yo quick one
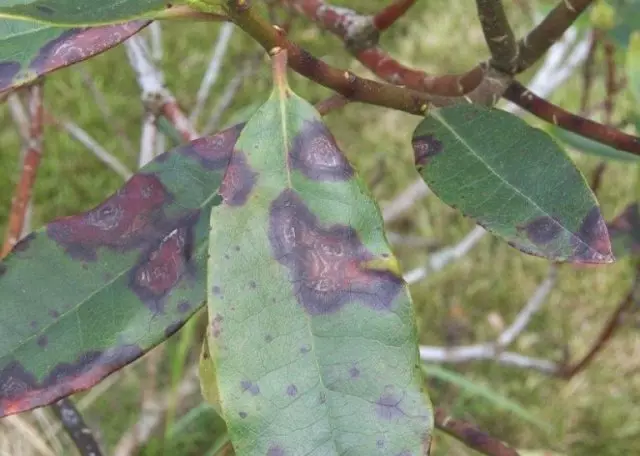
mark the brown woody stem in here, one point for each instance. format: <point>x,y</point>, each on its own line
<point>30,164</point>
<point>545,110</point>
<point>542,37</point>
<point>498,35</point>
<point>343,82</point>
<point>390,14</point>
<point>73,422</point>
<point>471,436</point>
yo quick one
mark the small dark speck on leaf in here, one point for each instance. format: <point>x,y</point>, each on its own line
<point>275,450</point>
<point>45,9</point>
<point>387,407</point>
<point>54,314</point>
<point>292,390</point>
<point>246,385</point>
<point>216,290</point>
<point>237,247</point>
<point>305,349</point>
<point>184,307</point>
<point>226,257</point>
<point>323,397</point>
<point>424,148</point>
<point>380,443</point>
<point>33,324</point>
<point>42,341</point>
<point>268,338</point>
<point>242,414</point>
<point>354,372</point>
<point>252,284</point>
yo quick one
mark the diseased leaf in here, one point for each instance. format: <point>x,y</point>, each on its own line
<point>625,231</point>
<point>514,180</point>
<point>90,293</point>
<point>311,326</point>
<point>81,12</point>
<point>589,146</point>
<point>29,50</point>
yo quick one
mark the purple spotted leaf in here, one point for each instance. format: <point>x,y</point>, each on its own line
<point>514,180</point>
<point>81,12</point>
<point>29,50</point>
<point>311,327</point>
<point>90,293</point>
<point>625,231</point>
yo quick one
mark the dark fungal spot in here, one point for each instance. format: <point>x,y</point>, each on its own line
<point>292,390</point>
<point>275,450</point>
<point>129,218</point>
<point>184,306</point>
<point>322,398</point>
<point>252,284</point>
<point>237,248</point>
<point>388,405</point>
<point>242,415</point>
<point>542,230</point>
<point>54,313</point>
<point>20,390</point>
<point>326,264</point>
<point>78,44</point>
<point>268,338</point>
<point>216,290</point>
<point>42,341</point>
<point>379,443</point>
<point>305,349</point>
<point>33,324</point>
<point>315,154</point>
<point>8,71</point>
<point>354,372</point>
<point>425,147</point>
<point>216,325</point>
<point>173,328</point>
<point>238,181</point>
<point>162,268</point>
<point>44,9</point>
<point>214,152</point>
<point>591,243</point>
<point>252,388</point>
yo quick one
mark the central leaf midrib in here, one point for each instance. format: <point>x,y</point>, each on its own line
<point>443,121</point>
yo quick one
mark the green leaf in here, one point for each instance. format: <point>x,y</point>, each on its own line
<point>29,50</point>
<point>485,392</point>
<point>633,65</point>
<point>312,331</point>
<point>90,293</point>
<point>81,12</point>
<point>589,146</point>
<point>514,180</point>
<point>625,231</point>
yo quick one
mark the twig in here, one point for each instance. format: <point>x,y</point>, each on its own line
<point>155,36</point>
<point>390,14</point>
<point>30,164</point>
<point>344,82</point>
<point>333,103</point>
<point>148,139</point>
<point>351,28</point>
<point>151,418</point>
<point>405,200</point>
<point>632,297</point>
<point>213,70</point>
<point>596,177</point>
<point>228,93</point>
<point>76,427</point>
<point>587,73</point>
<point>470,435</point>
<point>155,97</point>
<point>547,32</point>
<point>498,35</point>
<point>438,260</point>
<point>545,110</point>
<point>610,81</point>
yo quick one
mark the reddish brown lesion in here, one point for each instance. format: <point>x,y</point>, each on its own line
<point>21,391</point>
<point>239,180</point>
<point>425,147</point>
<point>591,243</point>
<point>314,153</point>
<point>542,230</point>
<point>326,264</point>
<point>124,221</point>
<point>214,152</point>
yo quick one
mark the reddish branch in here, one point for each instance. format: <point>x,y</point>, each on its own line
<point>351,28</point>
<point>498,35</point>
<point>541,38</point>
<point>541,108</point>
<point>178,119</point>
<point>30,164</point>
<point>615,321</point>
<point>471,436</point>
<point>389,15</point>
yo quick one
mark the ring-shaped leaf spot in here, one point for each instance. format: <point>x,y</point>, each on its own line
<point>311,328</point>
<point>90,293</point>
<point>514,180</point>
<point>74,13</point>
<point>29,50</point>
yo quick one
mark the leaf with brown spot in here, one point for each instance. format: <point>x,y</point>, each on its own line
<point>311,331</point>
<point>29,50</point>
<point>89,293</point>
<point>514,180</point>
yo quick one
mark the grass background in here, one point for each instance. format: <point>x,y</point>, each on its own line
<point>593,414</point>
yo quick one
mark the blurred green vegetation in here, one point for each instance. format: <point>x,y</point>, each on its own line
<point>468,301</point>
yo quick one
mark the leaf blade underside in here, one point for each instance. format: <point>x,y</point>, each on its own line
<point>514,180</point>
<point>90,293</point>
<point>311,326</point>
<point>29,50</point>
